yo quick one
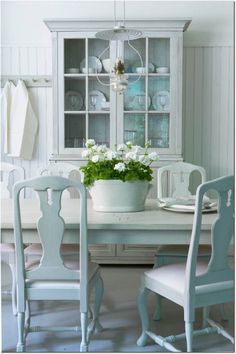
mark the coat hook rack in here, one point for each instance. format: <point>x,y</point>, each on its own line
<point>29,80</point>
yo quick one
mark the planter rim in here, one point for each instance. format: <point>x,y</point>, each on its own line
<point>117,181</point>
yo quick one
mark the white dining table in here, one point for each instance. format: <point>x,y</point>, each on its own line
<point>153,226</point>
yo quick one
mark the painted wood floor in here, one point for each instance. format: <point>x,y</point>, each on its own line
<point>119,317</point>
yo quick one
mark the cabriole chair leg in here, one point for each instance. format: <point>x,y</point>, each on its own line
<point>142,307</point>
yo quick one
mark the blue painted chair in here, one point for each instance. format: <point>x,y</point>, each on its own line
<point>177,176</point>
<point>51,278</point>
<point>9,175</point>
<point>65,170</point>
<point>197,283</point>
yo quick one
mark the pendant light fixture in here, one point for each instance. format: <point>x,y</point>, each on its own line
<point>119,33</point>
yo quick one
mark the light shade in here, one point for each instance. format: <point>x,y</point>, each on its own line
<point>119,33</point>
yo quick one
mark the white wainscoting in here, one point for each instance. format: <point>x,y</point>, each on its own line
<point>208,118</point>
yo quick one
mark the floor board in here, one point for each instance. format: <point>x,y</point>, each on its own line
<point>119,317</point>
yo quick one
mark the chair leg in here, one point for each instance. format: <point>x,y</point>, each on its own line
<point>13,288</point>
<point>205,315</point>
<point>99,289</point>
<point>84,336</point>
<point>157,313</point>
<point>142,307</point>
<point>21,335</point>
<point>189,335</point>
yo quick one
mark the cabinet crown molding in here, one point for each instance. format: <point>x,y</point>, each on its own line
<point>159,24</point>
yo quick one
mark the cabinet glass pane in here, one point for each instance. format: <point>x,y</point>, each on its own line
<point>98,50</point>
<point>99,128</point>
<point>131,58</point>
<point>135,96</point>
<point>74,54</point>
<point>98,94</point>
<point>74,94</point>
<point>159,91</point>
<point>158,130</point>
<point>134,128</point>
<point>159,52</point>
<point>75,130</point>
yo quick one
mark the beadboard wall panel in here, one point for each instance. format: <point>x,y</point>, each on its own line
<point>208,118</point>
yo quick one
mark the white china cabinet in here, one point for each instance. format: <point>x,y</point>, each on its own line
<point>85,106</point>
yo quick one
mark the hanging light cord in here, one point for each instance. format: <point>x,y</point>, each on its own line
<point>114,12</point>
<point>124,13</point>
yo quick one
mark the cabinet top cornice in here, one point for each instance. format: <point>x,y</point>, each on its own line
<point>159,24</point>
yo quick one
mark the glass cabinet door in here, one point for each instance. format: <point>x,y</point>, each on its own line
<point>86,93</point>
<point>147,101</point>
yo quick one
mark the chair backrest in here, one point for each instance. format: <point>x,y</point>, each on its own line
<point>218,270</point>
<point>50,228</point>
<point>62,169</point>
<point>8,178</point>
<point>178,178</point>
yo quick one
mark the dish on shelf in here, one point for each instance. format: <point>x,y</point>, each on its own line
<point>89,71</point>
<point>162,69</point>
<point>105,106</point>
<point>161,101</point>
<point>95,100</point>
<point>93,62</point>
<point>106,65</point>
<point>73,101</point>
<point>136,68</point>
<point>72,70</point>
<point>137,102</point>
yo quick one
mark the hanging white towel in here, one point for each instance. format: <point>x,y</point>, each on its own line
<point>23,124</point>
<point>6,102</point>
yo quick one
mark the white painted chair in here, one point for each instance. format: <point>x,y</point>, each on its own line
<point>9,175</point>
<point>51,278</point>
<point>177,175</point>
<point>64,170</point>
<point>197,283</point>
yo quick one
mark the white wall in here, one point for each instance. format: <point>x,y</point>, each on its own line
<point>22,20</point>
<point>208,69</point>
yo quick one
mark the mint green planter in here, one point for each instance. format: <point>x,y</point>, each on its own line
<point>118,196</point>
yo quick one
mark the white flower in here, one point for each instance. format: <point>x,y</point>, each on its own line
<point>90,143</point>
<point>95,158</point>
<point>119,167</point>
<point>152,156</point>
<point>144,160</point>
<point>131,155</point>
<point>101,149</point>
<point>110,155</point>
<point>137,149</point>
<point>86,153</point>
<point>129,144</point>
<point>122,147</point>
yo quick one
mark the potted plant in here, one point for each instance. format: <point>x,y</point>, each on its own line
<point>118,180</point>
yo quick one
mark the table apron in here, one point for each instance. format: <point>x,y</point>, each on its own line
<point>142,237</point>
